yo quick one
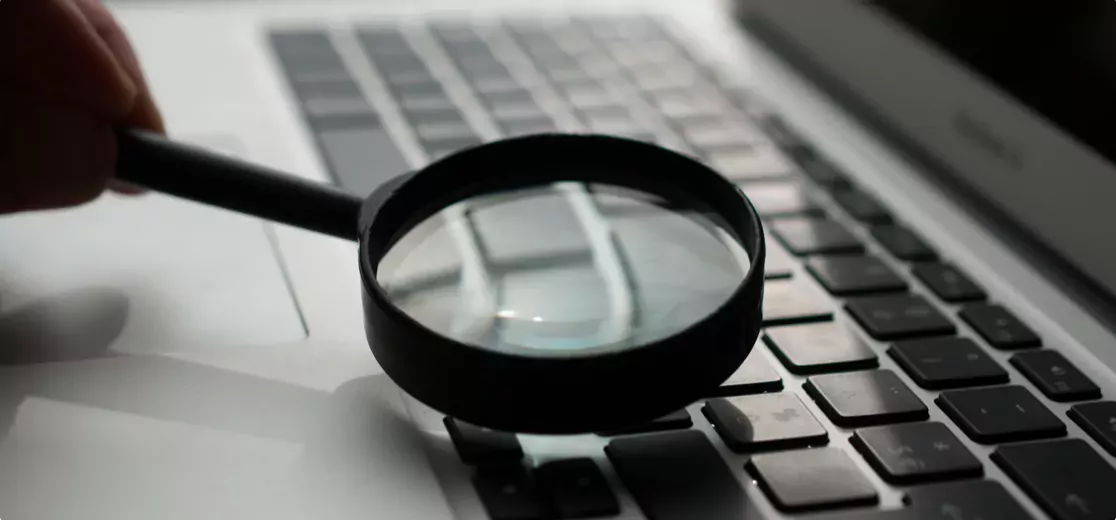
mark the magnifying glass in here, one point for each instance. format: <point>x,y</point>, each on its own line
<point>554,283</point>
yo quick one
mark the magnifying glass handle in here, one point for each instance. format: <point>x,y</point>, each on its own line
<point>156,163</point>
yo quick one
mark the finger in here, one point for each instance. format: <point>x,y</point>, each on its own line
<point>49,48</point>
<point>144,114</point>
<point>53,156</point>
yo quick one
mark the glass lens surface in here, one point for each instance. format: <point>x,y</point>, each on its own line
<point>562,270</point>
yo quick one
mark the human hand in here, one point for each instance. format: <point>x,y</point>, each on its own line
<point>68,77</point>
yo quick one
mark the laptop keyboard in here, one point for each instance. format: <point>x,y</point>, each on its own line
<point>848,282</point>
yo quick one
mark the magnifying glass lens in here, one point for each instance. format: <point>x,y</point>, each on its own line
<point>564,270</point>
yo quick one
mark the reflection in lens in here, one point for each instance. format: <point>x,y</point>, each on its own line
<point>563,269</point>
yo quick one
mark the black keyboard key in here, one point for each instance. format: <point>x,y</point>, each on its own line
<point>972,500</point>
<point>679,420</point>
<point>903,243</point>
<point>862,206</point>
<point>815,236</point>
<point>764,422</point>
<point>481,446</point>
<point>754,376</point>
<point>899,316</point>
<point>576,488</point>
<point>820,347</point>
<point>853,275</point>
<point>949,283</point>
<point>1000,414</point>
<point>781,199</point>
<point>1099,421</point>
<point>805,480</point>
<point>1055,376</point>
<point>999,327</point>
<point>822,171</point>
<point>865,398</point>
<point>966,500</point>
<point>677,476</point>
<point>789,301</point>
<point>1067,478</point>
<point>916,453</point>
<point>949,362</point>
<point>360,159</point>
<point>508,493</point>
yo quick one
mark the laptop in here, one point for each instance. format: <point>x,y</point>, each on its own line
<point>934,177</point>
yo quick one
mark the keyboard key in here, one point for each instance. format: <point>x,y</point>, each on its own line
<point>975,500</point>
<point>862,206</point>
<point>340,88</point>
<point>805,480</point>
<point>1000,414</point>
<point>752,164</point>
<point>684,105</point>
<point>849,275</point>
<point>436,116</point>
<point>899,316</point>
<point>866,398</point>
<point>1099,421</point>
<point>527,127</point>
<point>781,199</point>
<point>915,453</point>
<point>820,347</point>
<point>677,476</point>
<point>679,420</point>
<point>335,114</point>
<point>576,488</point>
<point>360,159</point>
<point>999,327</point>
<point>966,500</point>
<point>815,236</point>
<point>518,112</point>
<point>903,243</point>
<point>403,79</point>
<point>822,171</point>
<point>719,135</point>
<point>947,282</point>
<point>431,88</point>
<point>778,263</point>
<point>518,97</point>
<point>940,363</point>
<point>764,422</point>
<point>1055,376</point>
<point>1066,478</point>
<point>789,301</point>
<point>415,103</point>
<point>508,493</point>
<point>444,131</point>
<point>754,376</point>
<point>450,143</point>
<point>477,446</point>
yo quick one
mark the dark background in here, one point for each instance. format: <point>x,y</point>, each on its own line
<point>1058,57</point>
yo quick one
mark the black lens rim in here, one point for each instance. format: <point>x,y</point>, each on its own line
<point>532,394</point>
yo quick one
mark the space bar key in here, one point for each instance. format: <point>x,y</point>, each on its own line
<point>677,475</point>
